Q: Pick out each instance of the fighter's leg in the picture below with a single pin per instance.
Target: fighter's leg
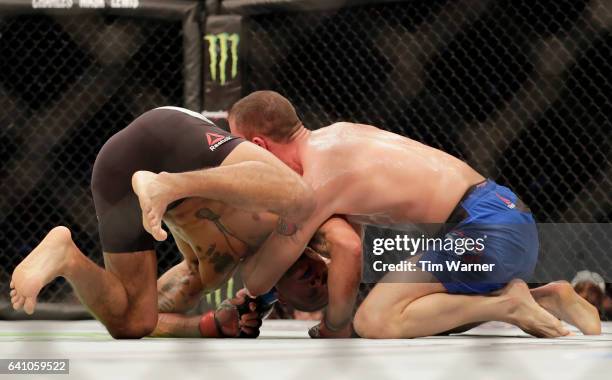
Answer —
(562, 301)
(422, 307)
(123, 297)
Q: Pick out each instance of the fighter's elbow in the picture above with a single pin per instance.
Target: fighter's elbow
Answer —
(353, 249)
(303, 201)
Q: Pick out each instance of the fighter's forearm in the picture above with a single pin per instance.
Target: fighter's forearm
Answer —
(339, 241)
(262, 270)
(173, 325)
(251, 185)
(178, 290)
(343, 286)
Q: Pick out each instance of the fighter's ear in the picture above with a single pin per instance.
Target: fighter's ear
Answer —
(314, 255)
(311, 253)
(261, 142)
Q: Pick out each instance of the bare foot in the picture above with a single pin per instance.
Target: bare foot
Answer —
(528, 315)
(560, 299)
(154, 197)
(46, 262)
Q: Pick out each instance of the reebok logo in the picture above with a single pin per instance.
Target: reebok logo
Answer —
(507, 201)
(213, 138)
(216, 140)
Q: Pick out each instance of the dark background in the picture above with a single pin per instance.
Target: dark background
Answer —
(519, 89)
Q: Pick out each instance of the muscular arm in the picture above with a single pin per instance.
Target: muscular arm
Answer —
(262, 270)
(178, 291)
(342, 243)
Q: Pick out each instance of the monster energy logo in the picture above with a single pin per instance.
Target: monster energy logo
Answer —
(214, 299)
(220, 46)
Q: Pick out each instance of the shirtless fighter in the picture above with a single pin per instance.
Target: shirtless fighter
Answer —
(376, 177)
(203, 216)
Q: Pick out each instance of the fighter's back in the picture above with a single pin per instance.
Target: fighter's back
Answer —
(403, 180)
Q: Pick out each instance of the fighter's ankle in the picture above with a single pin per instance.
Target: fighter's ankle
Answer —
(510, 307)
(169, 185)
(70, 261)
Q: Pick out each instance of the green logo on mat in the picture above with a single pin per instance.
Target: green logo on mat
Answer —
(221, 48)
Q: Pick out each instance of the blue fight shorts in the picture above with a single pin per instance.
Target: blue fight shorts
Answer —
(508, 242)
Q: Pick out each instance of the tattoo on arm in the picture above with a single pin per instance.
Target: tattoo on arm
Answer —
(165, 301)
(285, 228)
(172, 293)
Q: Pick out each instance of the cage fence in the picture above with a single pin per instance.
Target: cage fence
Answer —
(520, 90)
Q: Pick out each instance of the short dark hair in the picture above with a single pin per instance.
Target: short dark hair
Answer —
(267, 113)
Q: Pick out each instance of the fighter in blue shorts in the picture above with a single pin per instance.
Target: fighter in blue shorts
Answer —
(505, 242)
(368, 176)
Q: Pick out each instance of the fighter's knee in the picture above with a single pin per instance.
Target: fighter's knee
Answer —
(134, 328)
(373, 324)
(130, 332)
(360, 324)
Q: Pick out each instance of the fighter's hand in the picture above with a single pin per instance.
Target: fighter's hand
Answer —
(322, 331)
(231, 323)
(250, 318)
(154, 195)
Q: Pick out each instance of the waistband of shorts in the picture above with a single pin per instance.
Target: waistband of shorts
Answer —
(459, 213)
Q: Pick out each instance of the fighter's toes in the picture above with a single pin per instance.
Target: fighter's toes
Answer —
(561, 330)
(161, 234)
(29, 305)
(18, 304)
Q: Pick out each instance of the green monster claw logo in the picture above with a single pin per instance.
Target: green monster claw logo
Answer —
(219, 55)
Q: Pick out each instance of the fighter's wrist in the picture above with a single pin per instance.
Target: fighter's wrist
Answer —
(335, 327)
(209, 326)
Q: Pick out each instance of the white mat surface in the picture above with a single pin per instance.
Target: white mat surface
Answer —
(492, 351)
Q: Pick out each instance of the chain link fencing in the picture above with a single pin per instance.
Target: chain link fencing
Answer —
(67, 84)
(520, 90)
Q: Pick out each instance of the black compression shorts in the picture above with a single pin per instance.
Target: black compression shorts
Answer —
(169, 139)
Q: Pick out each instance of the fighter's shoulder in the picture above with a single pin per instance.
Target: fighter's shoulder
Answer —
(343, 125)
(348, 127)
